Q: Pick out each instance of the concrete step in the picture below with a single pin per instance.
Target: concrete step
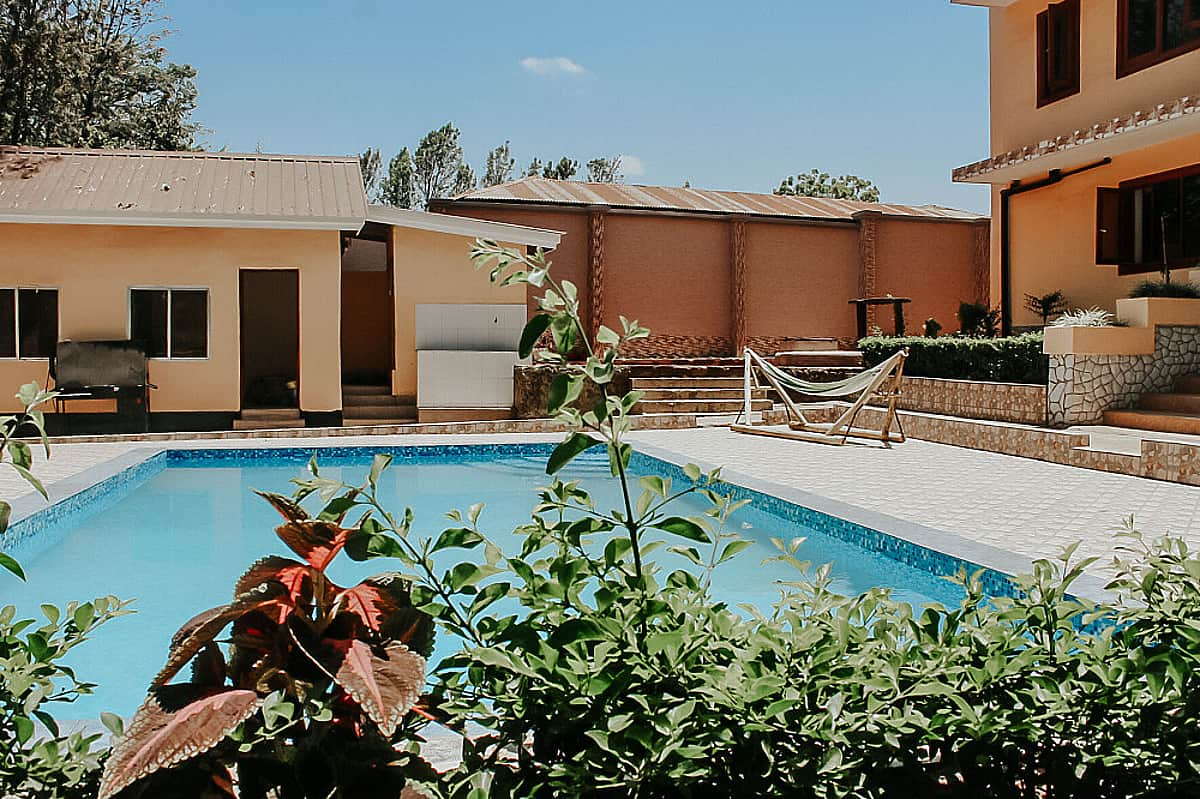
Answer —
(698, 406)
(349, 390)
(1160, 421)
(1173, 403)
(1188, 385)
(354, 400)
(350, 421)
(267, 424)
(272, 414)
(653, 383)
(690, 393)
(387, 411)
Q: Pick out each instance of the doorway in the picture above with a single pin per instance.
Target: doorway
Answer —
(270, 336)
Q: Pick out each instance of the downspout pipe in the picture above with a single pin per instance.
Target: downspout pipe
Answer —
(1006, 195)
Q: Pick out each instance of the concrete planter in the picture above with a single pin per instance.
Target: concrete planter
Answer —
(1151, 311)
(1099, 341)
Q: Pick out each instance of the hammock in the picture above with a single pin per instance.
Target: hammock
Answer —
(879, 382)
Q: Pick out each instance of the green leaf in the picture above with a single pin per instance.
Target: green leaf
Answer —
(33, 481)
(11, 565)
(533, 331)
(733, 548)
(568, 450)
(21, 454)
(693, 472)
(564, 390)
(606, 335)
(28, 394)
(378, 464)
(457, 538)
(684, 528)
(113, 723)
(24, 729)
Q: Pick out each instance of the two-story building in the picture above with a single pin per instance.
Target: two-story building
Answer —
(1095, 151)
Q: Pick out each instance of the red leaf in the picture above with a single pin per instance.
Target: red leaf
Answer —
(384, 687)
(373, 600)
(317, 542)
(173, 725)
(200, 630)
(293, 575)
(288, 508)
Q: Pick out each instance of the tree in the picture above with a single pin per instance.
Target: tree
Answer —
(565, 169)
(500, 166)
(605, 170)
(398, 188)
(819, 184)
(464, 180)
(437, 164)
(535, 168)
(92, 73)
(370, 162)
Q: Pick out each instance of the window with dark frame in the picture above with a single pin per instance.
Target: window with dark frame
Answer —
(171, 323)
(28, 322)
(1152, 222)
(1152, 31)
(1058, 52)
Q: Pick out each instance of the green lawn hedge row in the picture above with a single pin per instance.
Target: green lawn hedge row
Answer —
(1014, 359)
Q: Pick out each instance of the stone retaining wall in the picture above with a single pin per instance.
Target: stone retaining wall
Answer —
(531, 389)
(1083, 387)
(1023, 403)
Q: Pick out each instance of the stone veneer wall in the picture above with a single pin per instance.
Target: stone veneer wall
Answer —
(1022, 403)
(672, 346)
(1083, 387)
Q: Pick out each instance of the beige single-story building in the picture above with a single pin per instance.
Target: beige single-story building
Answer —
(265, 289)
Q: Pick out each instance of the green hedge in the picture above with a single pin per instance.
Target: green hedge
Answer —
(1015, 359)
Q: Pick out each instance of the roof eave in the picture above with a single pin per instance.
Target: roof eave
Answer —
(133, 220)
(464, 226)
(1119, 137)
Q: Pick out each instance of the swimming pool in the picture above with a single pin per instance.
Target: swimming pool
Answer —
(176, 530)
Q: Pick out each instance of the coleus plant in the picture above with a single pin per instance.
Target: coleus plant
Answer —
(311, 698)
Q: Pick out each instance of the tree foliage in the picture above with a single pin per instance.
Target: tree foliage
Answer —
(1046, 305)
(370, 162)
(92, 73)
(563, 169)
(605, 170)
(398, 187)
(500, 166)
(816, 183)
(438, 164)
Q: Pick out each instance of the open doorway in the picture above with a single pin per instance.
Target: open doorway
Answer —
(270, 328)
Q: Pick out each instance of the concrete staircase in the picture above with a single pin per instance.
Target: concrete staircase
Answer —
(268, 419)
(1177, 411)
(706, 386)
(364, 406)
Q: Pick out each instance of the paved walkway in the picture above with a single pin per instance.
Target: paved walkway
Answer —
(1021, 506)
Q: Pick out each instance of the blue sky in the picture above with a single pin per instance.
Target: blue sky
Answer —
(724, 95)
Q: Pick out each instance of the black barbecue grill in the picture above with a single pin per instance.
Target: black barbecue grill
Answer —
(90, 370)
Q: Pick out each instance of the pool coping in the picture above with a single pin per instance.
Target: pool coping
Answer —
(951, 545)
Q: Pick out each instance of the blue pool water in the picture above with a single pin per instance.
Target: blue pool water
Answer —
(176, 535)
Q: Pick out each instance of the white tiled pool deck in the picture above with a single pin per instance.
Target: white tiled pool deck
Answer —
(987, 503)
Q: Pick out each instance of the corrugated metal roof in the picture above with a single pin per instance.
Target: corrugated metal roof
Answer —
(180, 188)
(674, 198)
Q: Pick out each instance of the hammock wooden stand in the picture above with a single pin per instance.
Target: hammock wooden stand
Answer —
(881, 382)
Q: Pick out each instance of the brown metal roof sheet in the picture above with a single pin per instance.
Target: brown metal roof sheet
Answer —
(685, 199)
(183, 188)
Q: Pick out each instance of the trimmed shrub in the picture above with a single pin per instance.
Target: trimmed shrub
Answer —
(1015, 359)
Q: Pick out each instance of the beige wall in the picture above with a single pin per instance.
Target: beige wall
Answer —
(1016, 119)
(1054, 232)
(799, 279)
(94, 266)
(434, 268)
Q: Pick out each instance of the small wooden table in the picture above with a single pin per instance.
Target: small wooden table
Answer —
(897, 304)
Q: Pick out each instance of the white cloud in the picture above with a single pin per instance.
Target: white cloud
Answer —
(632, 166)
(558, 65)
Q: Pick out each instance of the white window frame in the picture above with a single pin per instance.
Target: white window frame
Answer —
(16, 290)
(169, 289)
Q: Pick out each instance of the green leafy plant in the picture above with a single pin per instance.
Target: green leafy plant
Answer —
(975, 319)
(1012, 359)
(19, 453)
(932, 328)
(1046, 305)
(314, 692)
(1085, 317)
(1165, 288)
